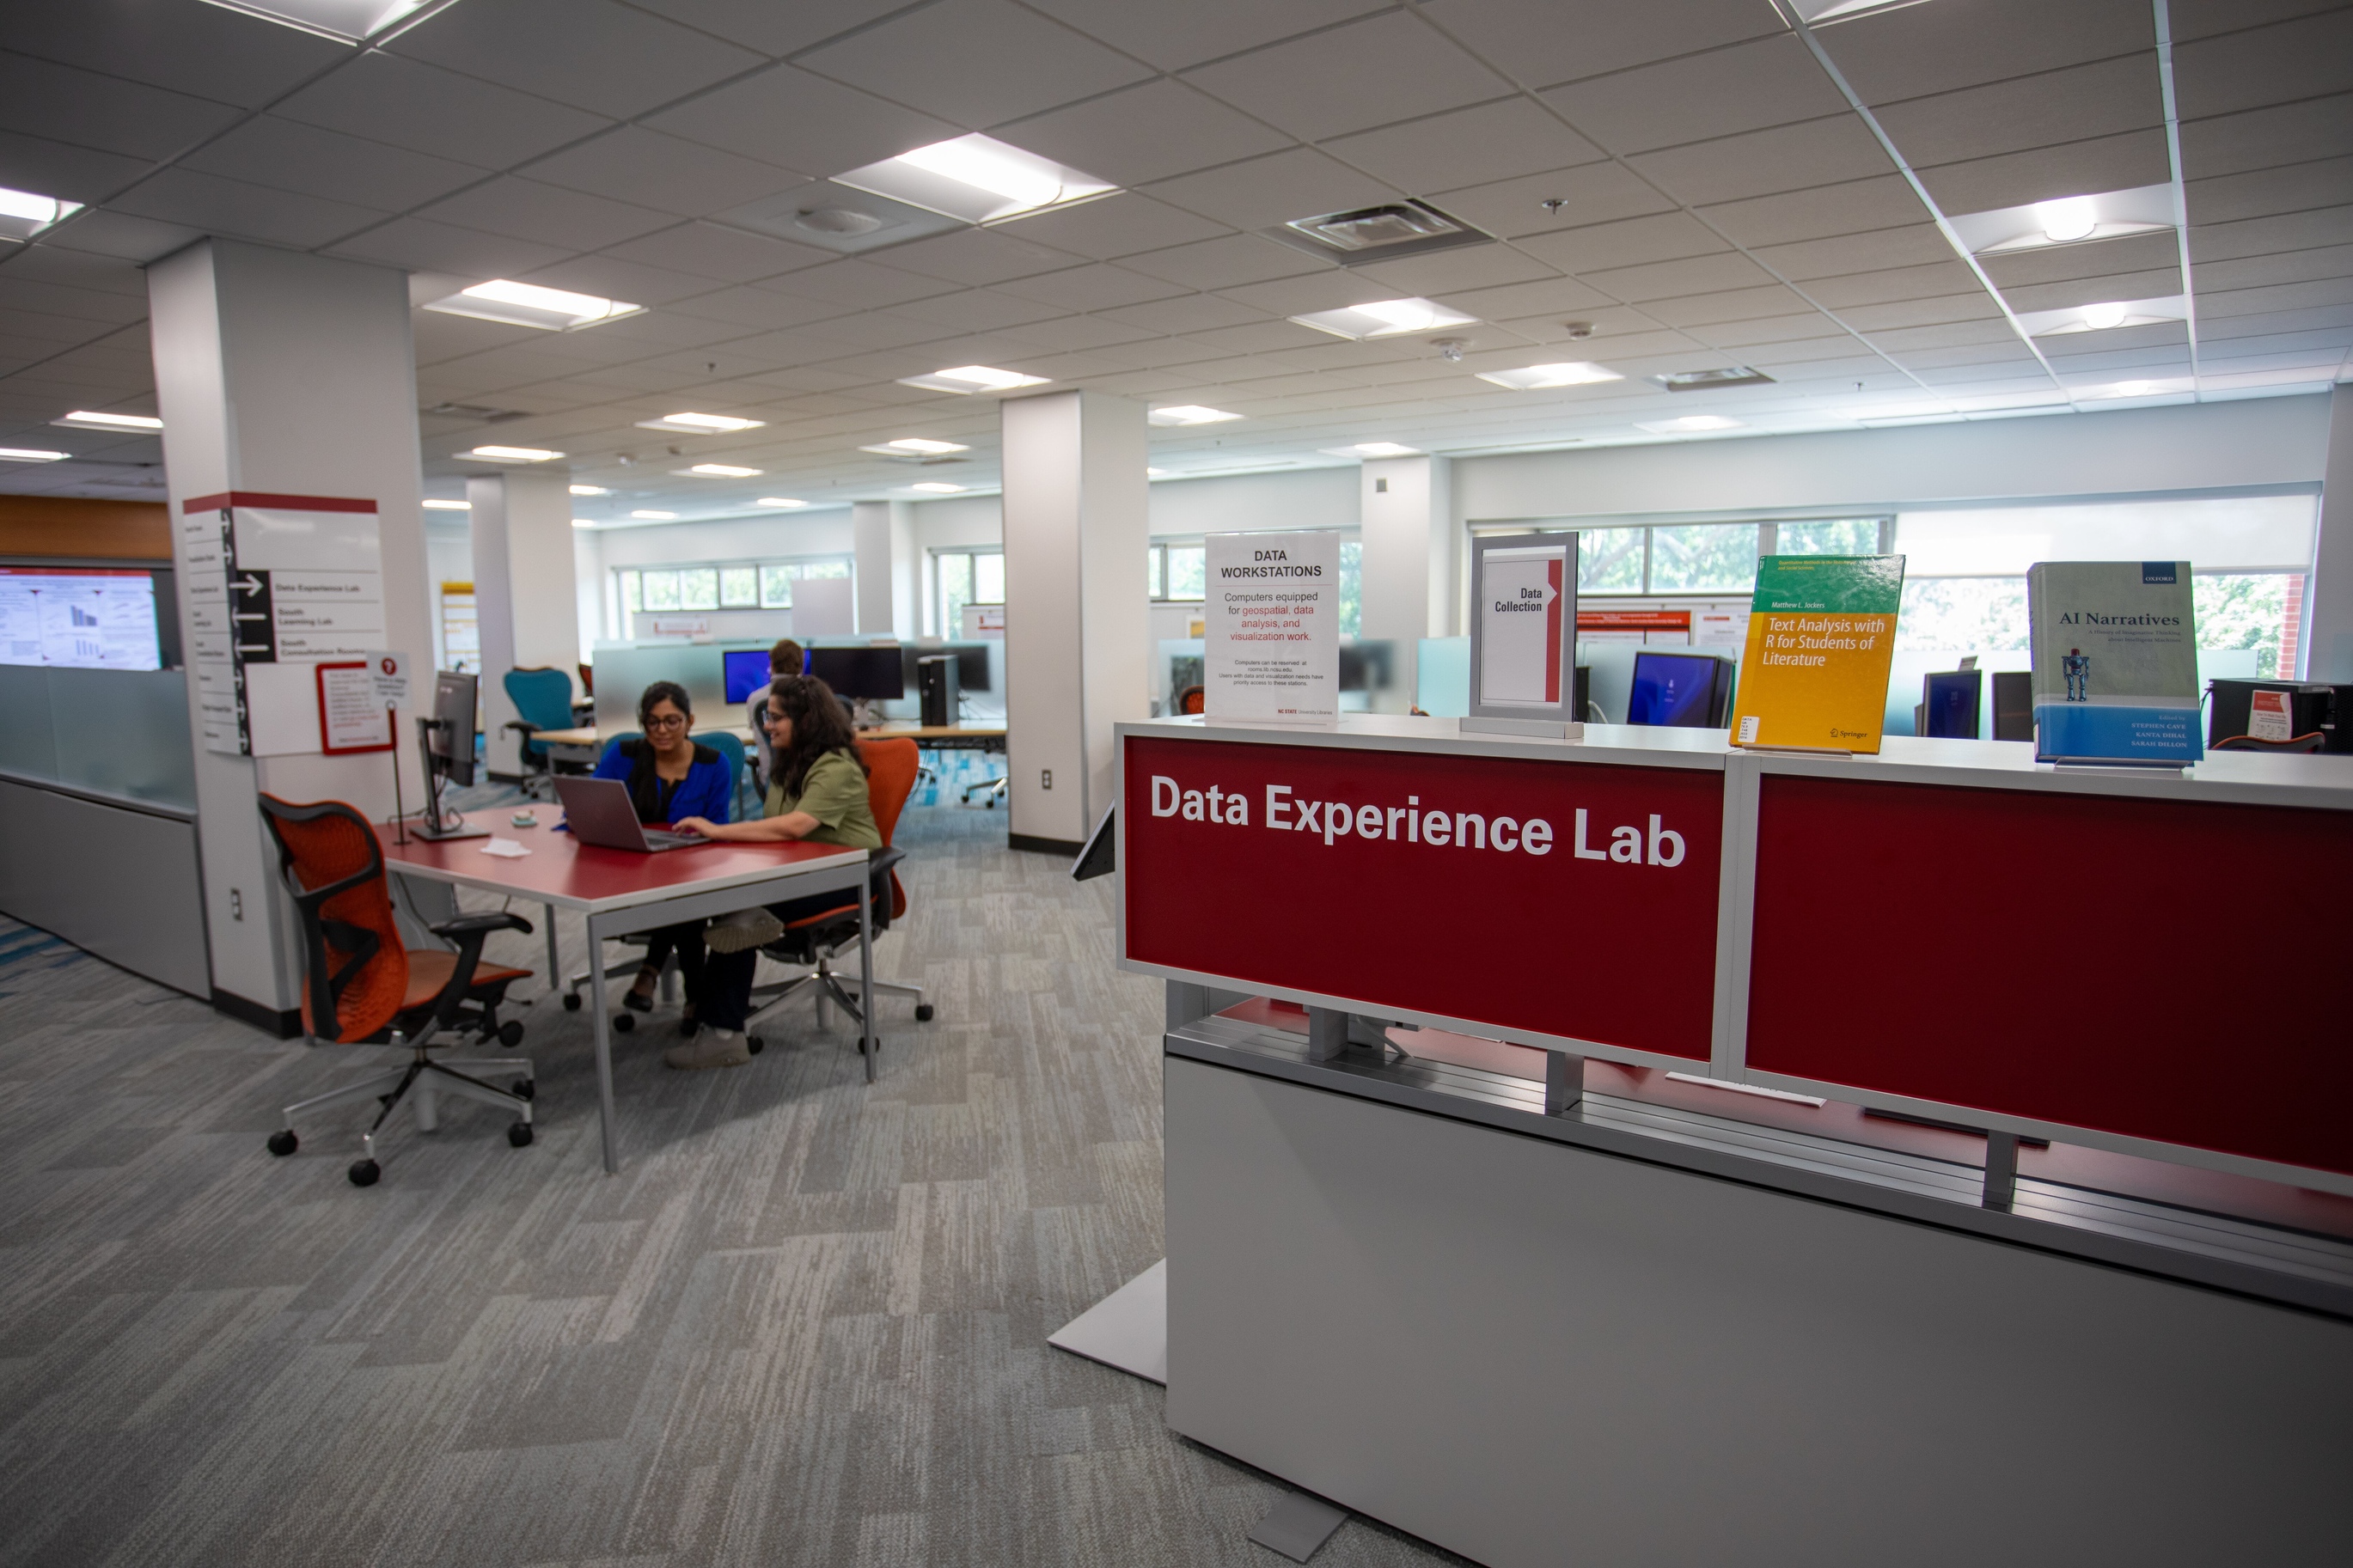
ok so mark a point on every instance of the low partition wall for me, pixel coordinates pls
(2134, 961)
(115, 878)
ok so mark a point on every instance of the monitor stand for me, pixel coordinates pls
(434, 823)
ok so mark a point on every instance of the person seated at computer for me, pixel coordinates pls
(816, 791)
(670, 778)
(788, 657)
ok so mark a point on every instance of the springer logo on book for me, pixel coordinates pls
(2115, 662)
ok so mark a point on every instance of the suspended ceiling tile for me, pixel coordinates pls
(1149, 132)
(755, 308)
(977, 256)
(861, 284)
(66, 172)
(648, 169)
(1976, 305)
(976, 62)
(610, 278)
(1913, 245)
(714, 250)
(234, 208)
(1899, 341)
(2078, 104)
(92, 309)
(2100, 258)
(1663, 236)
(1331, 289)
(2308, 56)
(105, 112)
(1766, 162)
(1924, 282)
(78, 270)
(2156, 283)
(1116, 225)
(421, 245)
(1856, 207)
(1747, 86)
(1236, 260)
(768, 28)
(1590, 194)
(976, 310)
(594, 55)
(1466, 146)
(1922, 49)
(120, 236)
(1096, 286)
(788, 117)
(1452, 272)
(1261, 192)
(2265, 138)
(1535, 43)
(203, 50)
(1548, 296)
(2334, 321)
(1188, 313)
(2077, 168)
(2321, 293)
(549, 214)
(2289, 267)
(383, 97)
(314, 160)
(1729, 305)
(1175, 36)
(2268, 235)
(2297, 187)
(1351, 78)
(1805, 326)
(1072, 334)
(1674, 279)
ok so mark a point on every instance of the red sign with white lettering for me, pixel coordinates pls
(1566, 899)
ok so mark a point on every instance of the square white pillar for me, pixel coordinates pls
(526, 604)
(1076, 606)
(882, 534)
(1405, 587)
(2328, 639)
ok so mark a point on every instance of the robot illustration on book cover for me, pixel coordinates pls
(2077, 668)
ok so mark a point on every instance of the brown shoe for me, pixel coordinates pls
(711, 1049)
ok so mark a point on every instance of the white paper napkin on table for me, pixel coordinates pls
(506, 849)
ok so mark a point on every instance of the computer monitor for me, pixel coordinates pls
(875, 674)
(1949, 700)
(1678, 690)
(746, 673)
(1365, 666)
(452, 743)
(972, 662)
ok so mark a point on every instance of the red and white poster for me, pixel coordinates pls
(1520, 606)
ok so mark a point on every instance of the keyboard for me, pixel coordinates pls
(661, 840)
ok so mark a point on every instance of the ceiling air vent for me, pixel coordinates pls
(1377, 234)
(476, 411)
(1705, 380)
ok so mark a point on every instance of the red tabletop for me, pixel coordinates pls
(562, 870)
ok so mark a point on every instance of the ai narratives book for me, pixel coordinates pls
(2115, 648)
(1821, 638)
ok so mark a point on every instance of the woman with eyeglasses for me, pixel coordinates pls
(671, 779)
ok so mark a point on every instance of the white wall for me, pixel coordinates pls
(2259, 441)
(449, 558)
(1233, 503)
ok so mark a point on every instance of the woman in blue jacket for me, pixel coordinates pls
(671, 779)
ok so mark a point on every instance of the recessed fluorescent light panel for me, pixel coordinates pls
(1541, 377)
(511, 454)
(1817, 12)
(1380, 233)
(432, 505)
(1155, 473)
(2069, 220)
(83, 419)
(345, 21)
(2104, 316)
(934, 488)
(973, 378)
(30, 455)
(529, 305)
(590, 490)
(723, 471)
(1189, 414)
(700, 424)
(1373, 450)
(24, 214)
(975, 178)
(584, 522)
(916, 447)
(1384, 318)
(1726, 375)
(786, 502)
(656, 516)
(1689, 425)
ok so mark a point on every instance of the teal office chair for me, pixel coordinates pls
(542, 699)
(731, 750)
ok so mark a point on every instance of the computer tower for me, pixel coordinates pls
(2013, 705)
(1582, 695)
(935, 683)
(2312, 706)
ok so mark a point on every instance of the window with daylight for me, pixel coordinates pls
(720, 586)
(963, 576)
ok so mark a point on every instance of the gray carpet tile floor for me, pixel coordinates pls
(806, 1324)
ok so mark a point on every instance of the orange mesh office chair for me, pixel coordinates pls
(817, 940)
(361, 984)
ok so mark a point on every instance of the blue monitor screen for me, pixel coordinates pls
(1676, 690)
(747, 672)
(1949, 703)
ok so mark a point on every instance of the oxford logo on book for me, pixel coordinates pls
(1411, 821)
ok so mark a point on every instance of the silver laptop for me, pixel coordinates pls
(599, 812)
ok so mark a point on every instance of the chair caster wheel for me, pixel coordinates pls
(524, 1089)
(518, 1134)
(572, 1001)
(510, 1033)
(624, 1022)
(923, 1012)
(755, 1044)
(862, 1044)
(364, 1173)
(284, 1144)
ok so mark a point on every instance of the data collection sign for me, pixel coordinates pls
(1272, 648)
(1523, 635)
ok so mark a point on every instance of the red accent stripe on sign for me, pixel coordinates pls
(289, 503)
(1552, 634)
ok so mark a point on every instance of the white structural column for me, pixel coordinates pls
(281, 374)
(2328, 592)
(1407, 587)
(883, 534)
(525, 602)
(1076, 621)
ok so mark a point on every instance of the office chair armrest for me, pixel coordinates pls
(481, 924)
(883, 860)
(528, 728)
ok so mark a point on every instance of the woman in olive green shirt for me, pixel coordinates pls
(816, 791)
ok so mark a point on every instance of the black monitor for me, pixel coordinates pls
(745, 670)
(452, 731)
(1365, 666)
(972, 662)
(875, 674)
(1949, 700)
(1678, 690)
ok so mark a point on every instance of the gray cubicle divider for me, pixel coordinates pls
(118, 881)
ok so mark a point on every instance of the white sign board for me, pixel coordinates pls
(1523, 635)
(390, 672)
(1273, 654)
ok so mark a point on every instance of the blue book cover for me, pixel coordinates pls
(2115, 648)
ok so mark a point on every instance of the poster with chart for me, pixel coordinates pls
(97, 619)
(277, 587)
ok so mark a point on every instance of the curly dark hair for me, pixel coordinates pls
(669, 691)
(819, 725)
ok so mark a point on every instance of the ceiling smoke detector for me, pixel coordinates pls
(1450, 349)
(1700, 380)
(1377, 234)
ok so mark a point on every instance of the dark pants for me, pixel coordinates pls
(686, 942)
(726, 1000)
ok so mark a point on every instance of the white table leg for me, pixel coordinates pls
(603, 1037)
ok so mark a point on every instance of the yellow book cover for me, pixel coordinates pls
(1822, 637)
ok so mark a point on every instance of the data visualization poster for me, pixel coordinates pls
(96, 619)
